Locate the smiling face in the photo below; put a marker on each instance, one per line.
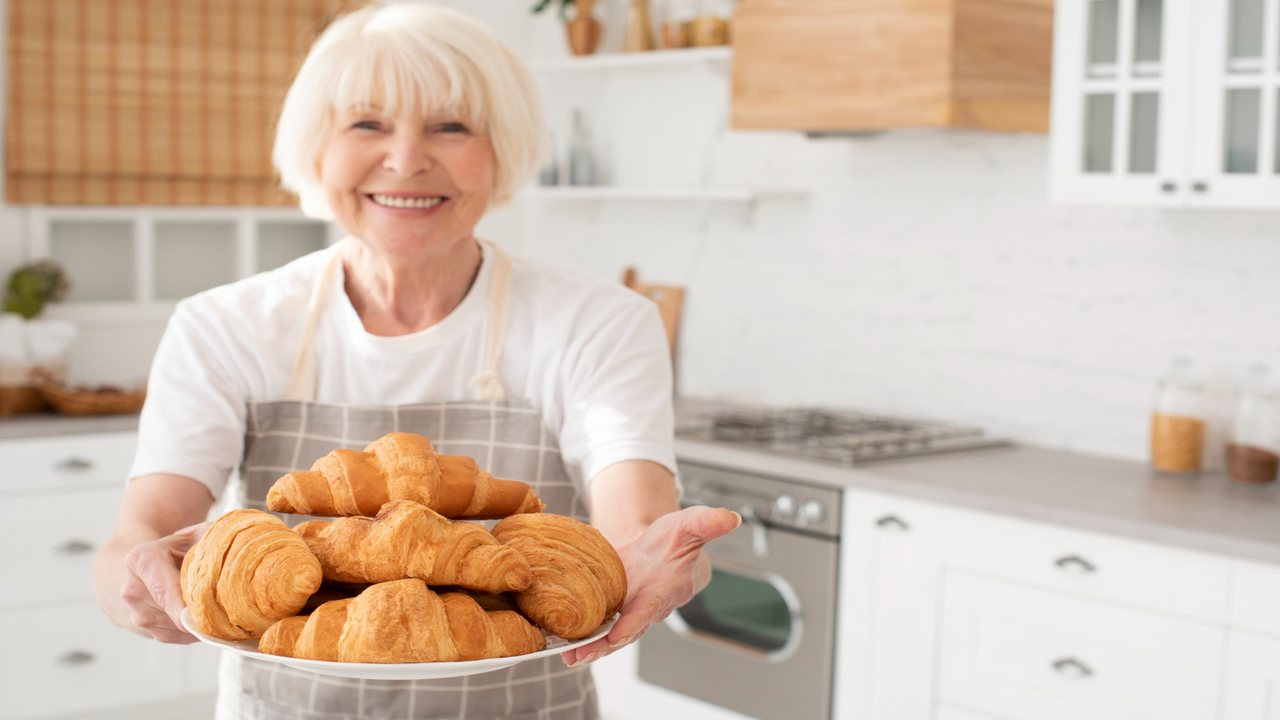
(408, 183)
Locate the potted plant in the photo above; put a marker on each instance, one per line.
(583, 30)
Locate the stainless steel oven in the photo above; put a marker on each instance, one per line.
(760, 638)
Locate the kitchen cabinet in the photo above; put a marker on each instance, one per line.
(958, 614)
(887, 605)
(1166, 103)
(1252, 676)
(61, 655)
(824, 65)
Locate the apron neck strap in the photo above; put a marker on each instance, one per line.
(499, 314)
(302, 384)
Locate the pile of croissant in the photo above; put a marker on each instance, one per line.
(394, 579)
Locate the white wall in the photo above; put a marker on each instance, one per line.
(925, 274)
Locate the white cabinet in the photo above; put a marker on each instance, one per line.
(1028, 654)
(1166, 102)
(887, 605)
(60, 654)
(1252, 678)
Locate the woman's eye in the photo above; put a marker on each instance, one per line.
(453, 128)
(365, 125)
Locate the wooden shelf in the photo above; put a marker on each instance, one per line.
(696, 194)
(639, 60)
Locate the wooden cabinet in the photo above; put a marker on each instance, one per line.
(1166, 103)
(823, 65)
(61, 655)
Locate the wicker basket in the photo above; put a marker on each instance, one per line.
(71, 401)
(20, 385)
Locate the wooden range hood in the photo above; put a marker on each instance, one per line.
(833, 65)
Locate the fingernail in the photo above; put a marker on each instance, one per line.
(620, 643)
(589, 659)
(739, 520)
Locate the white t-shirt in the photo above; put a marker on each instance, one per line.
(591, 356)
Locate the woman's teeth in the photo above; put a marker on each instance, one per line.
(406, 202)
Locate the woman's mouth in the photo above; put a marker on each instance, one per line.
(400, 201)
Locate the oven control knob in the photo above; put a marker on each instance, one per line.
(811, 513)
(784, 506)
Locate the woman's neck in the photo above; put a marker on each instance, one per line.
(398, 296)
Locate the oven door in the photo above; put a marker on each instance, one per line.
(760, 638)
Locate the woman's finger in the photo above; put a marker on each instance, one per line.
(154, 566)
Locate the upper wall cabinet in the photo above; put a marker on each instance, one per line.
(1167, 102)
(829, 65)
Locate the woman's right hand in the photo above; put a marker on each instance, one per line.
(137, 584)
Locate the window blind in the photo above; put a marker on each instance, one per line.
(152, 102)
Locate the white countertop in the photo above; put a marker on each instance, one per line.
(1208, 513)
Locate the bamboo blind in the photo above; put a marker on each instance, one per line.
(152, 102)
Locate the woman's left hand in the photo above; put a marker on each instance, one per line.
(665, 569)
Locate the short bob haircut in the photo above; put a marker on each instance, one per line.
(410, 57)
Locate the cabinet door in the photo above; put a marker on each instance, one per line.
(1253, 673)
(1235, 153)
(886, 608)
(1120, 91)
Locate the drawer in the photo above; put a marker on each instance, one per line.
(47, 544)
(66, 461)
(1145, 575)
(1253, 673)
(72, 659)
(1255, 597)
(1018, 652)
(949, 712)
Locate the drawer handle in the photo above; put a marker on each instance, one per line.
(1075, 565)
(74, 547)
(73, 464)
(892, 522)
(76, 658)
(1072, 667)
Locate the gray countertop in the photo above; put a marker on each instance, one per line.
(48, 424)
(1208, 513)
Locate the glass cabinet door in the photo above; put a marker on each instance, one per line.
(1236, 134)
(1119, 101)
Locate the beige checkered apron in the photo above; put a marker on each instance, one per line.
(509, 439)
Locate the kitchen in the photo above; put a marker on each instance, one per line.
(912, 272)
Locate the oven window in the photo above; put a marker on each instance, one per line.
(746, 610)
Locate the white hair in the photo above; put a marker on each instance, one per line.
(412, 57)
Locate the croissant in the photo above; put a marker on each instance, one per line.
(408, 540)
(578, 579)
(247, 572)
(399, 466)
(402, 622)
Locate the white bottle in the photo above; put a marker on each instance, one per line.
(582, 157)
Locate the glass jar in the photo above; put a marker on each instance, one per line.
(677, 23)
(711, 26)
(1253, 453)
(1177, 421)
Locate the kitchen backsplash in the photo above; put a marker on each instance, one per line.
(925, 272)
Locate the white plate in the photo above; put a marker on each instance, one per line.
(396, 671)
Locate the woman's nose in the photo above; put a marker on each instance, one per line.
(408, 157)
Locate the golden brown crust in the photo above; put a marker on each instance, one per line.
(408, 540)
(401, 622)
(578, 579)
(247, 572)
(399, 466)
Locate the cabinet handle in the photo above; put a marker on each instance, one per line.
(74, 547)
(76, 658)
(1075, 565)
(1168, 186)
(73, 464)
(1200, 186)
(892, 522)
(1072, 667)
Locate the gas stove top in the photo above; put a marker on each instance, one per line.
(836, 436)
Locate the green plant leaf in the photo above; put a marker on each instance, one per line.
(27, 306)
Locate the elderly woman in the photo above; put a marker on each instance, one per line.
(405, 125)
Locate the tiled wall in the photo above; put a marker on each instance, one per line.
(926, 274)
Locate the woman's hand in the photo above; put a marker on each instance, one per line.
(665, 569)
(138, 588)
